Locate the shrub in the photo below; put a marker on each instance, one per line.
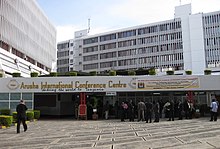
(34, 74)
(5, 120)
(152, 71)
(141, 71)
(16, 74)
(5, 111)
(53, 74)
(93, 73)
(1, 75)
(207, 72)
(122, 72)
(30, 115)
(72, 73)
(36, 114)
(131, 73)
(112, 73)
(188, 72)
(170, 72)
(14, 116)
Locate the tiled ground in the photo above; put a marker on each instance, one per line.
(113, 134)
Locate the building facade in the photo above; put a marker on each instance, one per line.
(60, 95)
(168, 45)
(27, 38)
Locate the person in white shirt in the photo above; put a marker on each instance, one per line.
(214, 110)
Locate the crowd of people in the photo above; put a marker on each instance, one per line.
(153, 111)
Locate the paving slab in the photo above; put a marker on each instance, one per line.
(113, 134)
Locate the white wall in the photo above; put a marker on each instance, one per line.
(183, 12)
(197, 44)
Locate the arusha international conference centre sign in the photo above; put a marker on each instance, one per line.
(98, 84)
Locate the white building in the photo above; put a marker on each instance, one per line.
(187, 42)
(27, 38)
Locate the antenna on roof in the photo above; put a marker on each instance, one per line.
(88, 25)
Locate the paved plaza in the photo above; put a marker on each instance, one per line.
(113, 134)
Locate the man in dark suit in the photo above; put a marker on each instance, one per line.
(21, 115)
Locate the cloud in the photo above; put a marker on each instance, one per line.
(128, 13)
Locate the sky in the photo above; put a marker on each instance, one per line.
(69, 16)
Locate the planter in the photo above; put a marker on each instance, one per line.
(95, 116)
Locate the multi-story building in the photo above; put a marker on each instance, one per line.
(187, 42)
(27, 38)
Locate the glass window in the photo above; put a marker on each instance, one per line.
(4, 105)
(15, 103)
(27, 96)
(4, 96)
(15, 96)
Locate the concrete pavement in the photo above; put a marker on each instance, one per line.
(113, 134)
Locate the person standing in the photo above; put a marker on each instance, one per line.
(131, 111)
(149, 108)
(21, 115)
(180, 110)
(106, 109)
(141, 110)
(124, 108)
(156, 111)
(214, 109)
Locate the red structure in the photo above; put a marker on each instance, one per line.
(190, 97)
(82, 112)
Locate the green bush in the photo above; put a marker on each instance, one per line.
(131, 73)
(5, 111)
(5, 120)
(14, 116)
(36, 114)
(53, 74)
(207, 72)
(1, 75)
(188, 72)
(152, 71)
(112, 73)
(16, 74)
(72, 73)
(141, 71)
(34, 74)
(30, 115)
(170, 72)
(93, 73)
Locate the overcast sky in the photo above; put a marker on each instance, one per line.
(106, 15)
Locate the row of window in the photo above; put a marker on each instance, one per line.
(16, 52)
(140, 31)
(62, 53)
(165, 37)
(62, 62)
(129, 52)
(108, 37)
(160, 60)
(212, 31)
(140, 41)
(127, 43)
(108, 64)
(213, 41)
(159, 28)
(212, 19)
(90, 49)
(64, 45)
(108, 46)
(108, 55)
(63, 69)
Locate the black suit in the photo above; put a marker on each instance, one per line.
(21, 116)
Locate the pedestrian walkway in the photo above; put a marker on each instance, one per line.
(113, 134)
